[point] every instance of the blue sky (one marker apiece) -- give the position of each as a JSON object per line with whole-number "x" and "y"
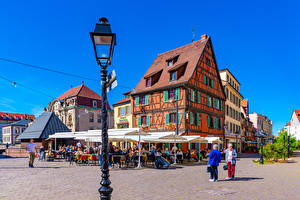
{"x": 257, "y": 40}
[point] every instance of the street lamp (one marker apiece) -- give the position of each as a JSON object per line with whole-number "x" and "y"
{"x": 236, "y": 140}
{"x": 104, "y": 41}
{"x": 261, "y": 134}
{"x": 176, "y": 132}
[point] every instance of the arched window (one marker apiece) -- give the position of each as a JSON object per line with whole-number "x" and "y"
{"x": 91, "y": 117}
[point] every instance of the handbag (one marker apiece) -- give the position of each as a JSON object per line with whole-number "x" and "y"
{"x": 208, "y": 169}
{"x": 225, "y": 167}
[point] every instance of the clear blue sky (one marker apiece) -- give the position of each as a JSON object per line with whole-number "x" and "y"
{"x": 257, "y": 40}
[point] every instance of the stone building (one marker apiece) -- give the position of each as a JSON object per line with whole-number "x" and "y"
{"x": 189, "y": 74}
{"x": 8, "y": 118}
{"x": 232, "y": 108}
{"x": 122, "y": 112}
{"x": 13, "y": 130}
{"x": 80, "y": 109}
{"x": 262, "y": 123}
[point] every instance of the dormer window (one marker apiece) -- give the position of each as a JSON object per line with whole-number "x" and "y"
{"x": 173, "y": 76}
{"x": 171, "y": 61}
{"x": 148, "y": 82}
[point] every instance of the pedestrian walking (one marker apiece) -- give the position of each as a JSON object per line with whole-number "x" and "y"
{"x": 230, "y": 157}
{"x": 42, "y": 153}
{"x": 214, "y": 160}
{"x": 32, "y": 149}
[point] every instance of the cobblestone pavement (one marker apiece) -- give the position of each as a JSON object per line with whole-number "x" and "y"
{"x": 58, "y": 180}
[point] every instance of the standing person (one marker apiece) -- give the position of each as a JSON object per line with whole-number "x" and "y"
{"x": 214, "y": 160}
{"x": 32, "y": 149}
{"x": 230, "y": 157}
{"x": 42, "y": 153}
{"x": 99, "y": 151}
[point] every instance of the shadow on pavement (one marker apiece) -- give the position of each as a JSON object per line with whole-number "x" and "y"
{"x": 32, "y": 168}
{"x": 244, "y": 179}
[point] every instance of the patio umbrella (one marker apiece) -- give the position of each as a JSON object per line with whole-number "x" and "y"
{"x": 139, "y": 133}
{"x": 217, "y": 141}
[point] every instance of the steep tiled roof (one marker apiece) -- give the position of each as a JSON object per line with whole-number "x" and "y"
{"x": 244, "y": 102}
{"x": 15, "y": 116}
{"x": 288, "y": 124}
{"x": 81, "y": 91}
{"x": 189, "y": 54}
{"x": 121, "y": 102}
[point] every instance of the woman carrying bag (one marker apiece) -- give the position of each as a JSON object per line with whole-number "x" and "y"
{"x": 230, "y": 157}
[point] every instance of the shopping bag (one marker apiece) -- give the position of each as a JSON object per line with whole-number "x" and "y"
{"x": 225, "y": 167}
{"x": 208, "y": 169}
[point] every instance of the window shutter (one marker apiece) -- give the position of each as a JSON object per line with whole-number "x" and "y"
{"x": 166, "y": 95}
{"x": 217, "y": 120}
{"x": 178, "y": 117}
{"x": 167, "y": 119}
{"x": 204, "y": 79}
{"x": 148, "y": 120}
{"x": 212, "y": 83}
{"x": 137, "y": 101}
{"x": 139, "y": 121}
{"x": 177, "y": 92}
{"x": 213, "y": 102}
{"x": 207, "y": 121}
{"x": 192, "y": 95}
{"x": 207, "y": 100}
{"x": 221, "y": 105}
{"x": 221, "y": 125}
{"x": 191, "y": 118}
{"x": 198, "y": 97}
{"x": 191, "y": 146}
{"x": 146, "y": 99}
{"x": 197, "y": 119}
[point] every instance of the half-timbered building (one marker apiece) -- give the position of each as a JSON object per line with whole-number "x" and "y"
{"x": 190, "y": 75}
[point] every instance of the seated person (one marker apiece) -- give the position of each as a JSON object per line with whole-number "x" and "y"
{"x": 160, "y": 162}
{"x": 188, "y": 155}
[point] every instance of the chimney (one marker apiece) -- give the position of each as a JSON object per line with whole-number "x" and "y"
{"x": 204, "y": 37}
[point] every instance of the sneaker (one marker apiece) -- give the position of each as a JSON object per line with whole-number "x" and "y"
{"x": 229, "y": 178}
{"x": 211, "y": 180}
{"x": 216, "y": 180}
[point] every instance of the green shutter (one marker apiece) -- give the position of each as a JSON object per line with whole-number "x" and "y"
{"x": 177, "y": 92}
{"x": 139, "y": 121}
{"x": 191, "y": 118}
{"x": 221, "y": 105}
{"x": 198, "y": 97}
{"x": 137, "y": 101}
{"x": 204, "y": 79}
{"x": 192, "y": 95}
{"x": 148, "y": 120}
{"x": 178, "y": 117}
{"x": 146, "y": 99}
{"x": 221, "y": 125}
{"x": 207, "y": 121}
{"x": 213, "y": 122}
{"x": 217, "y": 123}
{"x": 167, "y": 119}
{"x": 166, "y": 95}
{"x": 197, "y": 120}
{"x": 179, "y": 145}
{"x": 207, "y": 100}
{"x": 213, "y": 102}
{"x": 212, "y": 83}
{"x": 191, "y": 145}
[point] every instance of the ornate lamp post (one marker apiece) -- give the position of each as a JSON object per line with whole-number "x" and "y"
{"x": 104, "y": 41}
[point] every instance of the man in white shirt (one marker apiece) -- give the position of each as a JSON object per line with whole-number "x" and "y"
{"x": 32, "y": 149}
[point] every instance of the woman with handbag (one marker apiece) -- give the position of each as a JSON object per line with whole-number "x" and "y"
{"x": 214, "y": 160}
{"x": 230, "y": 157}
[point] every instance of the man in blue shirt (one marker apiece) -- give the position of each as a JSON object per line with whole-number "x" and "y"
{"x": 214, "y": 160}
{"x": 32, "y": 149}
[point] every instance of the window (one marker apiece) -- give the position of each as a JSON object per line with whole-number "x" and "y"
{"x": 127, "y": 110}
{"x": 210, "y": 122}
{"x": 173, "y": 76}
{"x": 144, "y": 120}
{"x": 170, "y": 63}
{"x": 172, "y": 118}
{"x": 91, "y": 117}
{"x": 142, "y": 100}
{"x": 122, "y": 111}
{"x": 99, "y": 118}
{"x": 70, "y": 118}
{"x": 211, "y": 83}
{"x": 148, "y": 82}
{"x": 94, "y": 103}
{"x": 205, "y": 79}
{"x": 171, "y": 94}
{"x": 207, "y": 61}
{"x": 192, "y": 95}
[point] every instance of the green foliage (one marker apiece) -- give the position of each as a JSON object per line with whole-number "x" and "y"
{"x": 278, "y": 149}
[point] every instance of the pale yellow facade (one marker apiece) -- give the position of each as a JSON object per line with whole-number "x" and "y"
{"x": 122, "y": 115}
{"x": 232, "y": 108}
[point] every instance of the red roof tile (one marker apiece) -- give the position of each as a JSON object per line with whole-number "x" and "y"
{"x": 244, "y": 102}
{"x": 122, "y": 101}
{"x": 189, "y": 54}
{"x": 81, "y": 91}
{"x": 298, "y": 114}
{"x": 15, "y": 116}
{"x": 288, "y": 124}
